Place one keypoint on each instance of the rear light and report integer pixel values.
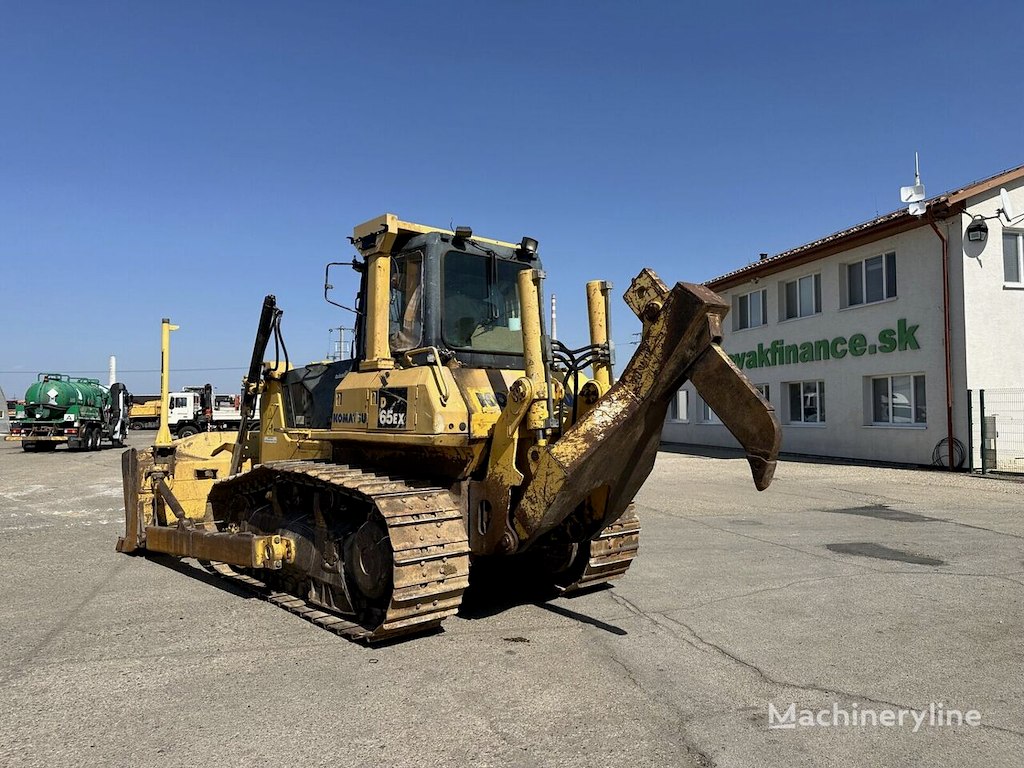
(70, 431)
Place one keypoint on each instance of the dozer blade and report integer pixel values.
(612, 449)
(165, 485)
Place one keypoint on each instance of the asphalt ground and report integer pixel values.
(839, 589)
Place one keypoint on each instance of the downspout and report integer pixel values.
(947, 334)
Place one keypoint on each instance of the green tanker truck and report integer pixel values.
(62, 409)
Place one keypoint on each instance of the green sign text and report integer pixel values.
(900, 338)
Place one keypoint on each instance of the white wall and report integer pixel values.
(847, 431)
(994, 311)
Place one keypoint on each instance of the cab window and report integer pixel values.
(481, 303)
(405, 311)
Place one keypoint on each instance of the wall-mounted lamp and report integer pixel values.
(977, 230)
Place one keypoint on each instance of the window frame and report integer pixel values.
(681, 401)
(407, 330)
(862, 263)
(738, 316)
(446, 320)
(705, 415)
(819, 394)
(1018, 235)
(914, 423)
(815, 278)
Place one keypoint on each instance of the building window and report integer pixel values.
(706, 415)
(802, 297)
(679, 406)
(752, 309)
(806, 402)
(898, 400)
(1013, 250)
(764, 390)
(871, 280)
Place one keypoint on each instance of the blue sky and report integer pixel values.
(183, 159)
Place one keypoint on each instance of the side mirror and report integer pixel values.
(328, 286)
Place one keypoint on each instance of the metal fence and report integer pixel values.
(997, 430)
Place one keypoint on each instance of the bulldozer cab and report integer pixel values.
(445, 290)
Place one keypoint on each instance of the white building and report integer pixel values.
(847, 336)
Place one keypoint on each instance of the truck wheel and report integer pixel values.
(28, 447)
(187, 431)
(94, 438)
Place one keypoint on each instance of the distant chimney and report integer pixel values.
(763, 256)
(113, 370)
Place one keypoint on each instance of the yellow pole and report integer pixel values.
(378, 288)
(597, 310)
(163, 435)
(533, 356)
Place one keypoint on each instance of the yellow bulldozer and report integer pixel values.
(460, 432)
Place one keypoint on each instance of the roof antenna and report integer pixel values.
(914, 194)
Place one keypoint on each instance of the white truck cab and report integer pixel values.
(198, 409)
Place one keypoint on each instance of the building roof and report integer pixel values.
(939, 207)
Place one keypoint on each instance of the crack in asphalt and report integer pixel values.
(791, 548)
(981, 528)
(827, 558)
(629, 672)
(787, 585)
(698, 642)
(934, 519)
(777, 588)
(22, 665)
(700, 757)
(810, 687)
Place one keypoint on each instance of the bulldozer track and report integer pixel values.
(611, 553)
(427, 536)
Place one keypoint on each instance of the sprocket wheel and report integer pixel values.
(368, 567)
